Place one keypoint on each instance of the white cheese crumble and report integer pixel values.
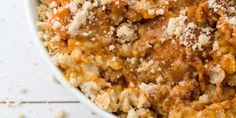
(145, 66)
(105, 2)
(74, 82)
(216, 74)
(52, 4)
(204, 98)
(151, 11)
(111, 47)
(56, 24)
(148, 88)
(125, 33)
(80, 18)
(131, 60)
(232, 21)
(215, 46)
(159, 79)
(203, 39)
(160, 12)
(176, 26)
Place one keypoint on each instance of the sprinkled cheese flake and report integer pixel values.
(176, 26)
(215, 46)
(204, 98)
(160, 12)
(203, 39)
(74, 82)
(216, 5)
(85, 34)
(212, 3)
(117, 2)
(151, 11)
(132, 60)
(93, 39)
(105, 2)
(73, 6)
(232, 21)
(80, 18)
(56, 24)
(145, 66)
(216, 74)
(159, 79)
(103, 8)
(52, 4)
(111, 47)
(125, 33)
(148, 88)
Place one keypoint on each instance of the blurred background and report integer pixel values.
(28, 89)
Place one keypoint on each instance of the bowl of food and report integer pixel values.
(141, 58)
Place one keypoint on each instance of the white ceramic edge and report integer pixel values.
(30, 9)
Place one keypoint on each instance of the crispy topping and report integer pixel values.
(146, 58)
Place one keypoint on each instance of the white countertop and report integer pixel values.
(23, 68)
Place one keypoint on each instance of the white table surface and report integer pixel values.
(22, 67)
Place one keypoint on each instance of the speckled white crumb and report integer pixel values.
(22, 90)
(21, 115)
(60, 114)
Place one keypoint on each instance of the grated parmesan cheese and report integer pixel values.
(216, 74)
(52, 4)
(204, 98)
(111, 47)
(176, 26)
(215, 46)
(151, 11)
(105, 2)
(125, 33)
(79, 19)
(232, 21)
(203, 39)
(160, 12)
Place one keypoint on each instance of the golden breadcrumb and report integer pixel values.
(146, 58)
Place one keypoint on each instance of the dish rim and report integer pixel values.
(30, 11)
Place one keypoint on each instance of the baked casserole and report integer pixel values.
(146, 58)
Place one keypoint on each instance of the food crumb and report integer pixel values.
(21, 115)
(60, 114)
(16, 103)
(22, 90)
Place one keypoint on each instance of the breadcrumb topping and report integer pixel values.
(146, 58)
